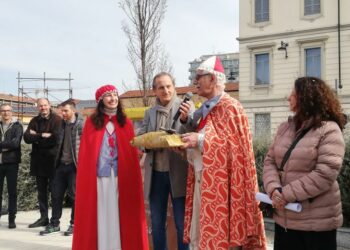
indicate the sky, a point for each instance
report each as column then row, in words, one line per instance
column 85, row 38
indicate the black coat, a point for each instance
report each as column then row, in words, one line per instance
column 10, row 143
column 44, row 150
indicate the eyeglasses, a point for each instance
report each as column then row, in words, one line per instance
column 5, row 110
column 200, row 76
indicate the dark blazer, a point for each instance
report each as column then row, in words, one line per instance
column 10, row 143
column 44, row 150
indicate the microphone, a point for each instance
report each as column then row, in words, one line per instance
column 187, row 97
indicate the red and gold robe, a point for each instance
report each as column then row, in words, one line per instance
column 229, row 213
column 133, row 226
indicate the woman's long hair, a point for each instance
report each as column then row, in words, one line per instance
column 316, row 100
column 97, row 117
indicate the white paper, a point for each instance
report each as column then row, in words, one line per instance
column 296, row 207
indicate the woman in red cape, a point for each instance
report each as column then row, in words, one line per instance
column 109, row 131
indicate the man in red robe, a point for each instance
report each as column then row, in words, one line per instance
column 221, row 210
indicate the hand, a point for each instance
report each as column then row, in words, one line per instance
column 278, row 200
column 45, row 135
column 190, row 140
column 184, row 110
column 32, row 132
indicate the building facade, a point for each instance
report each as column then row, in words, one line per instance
column 230, row 62
column 281, row 40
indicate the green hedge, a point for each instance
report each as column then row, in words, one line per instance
column 260, row 150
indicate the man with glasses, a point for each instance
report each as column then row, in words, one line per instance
column 221, row 210
column 43, row 132
column 11, row 132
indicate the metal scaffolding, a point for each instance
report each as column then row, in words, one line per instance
column 46, row 90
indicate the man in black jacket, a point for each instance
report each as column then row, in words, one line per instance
column 69, row 142
column 11, row 132
column 43, row 133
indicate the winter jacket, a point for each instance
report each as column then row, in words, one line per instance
column 309, row 176
column 44, row 150
column 75, row 139
column 10, row 143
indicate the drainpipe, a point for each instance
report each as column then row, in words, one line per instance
column 339, row 53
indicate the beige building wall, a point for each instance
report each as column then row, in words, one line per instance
column 288, row 24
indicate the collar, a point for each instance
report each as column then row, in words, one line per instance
column 71, row 121
column 209, row 105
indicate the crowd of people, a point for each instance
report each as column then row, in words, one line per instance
column 211, row 179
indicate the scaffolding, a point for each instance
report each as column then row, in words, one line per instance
column 47, row 92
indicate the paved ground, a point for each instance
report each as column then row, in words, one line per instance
column 24, row 238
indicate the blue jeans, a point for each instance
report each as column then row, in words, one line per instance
column 160, row 190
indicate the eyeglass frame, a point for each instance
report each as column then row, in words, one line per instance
column 200, row 76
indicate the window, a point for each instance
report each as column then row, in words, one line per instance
column 262, row 68
column 313, row 62
column 261, row 11
column 312, row 7
column 262, row 126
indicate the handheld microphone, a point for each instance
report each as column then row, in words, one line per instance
column 187, row 97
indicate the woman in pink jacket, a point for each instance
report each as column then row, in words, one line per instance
column 309, row 175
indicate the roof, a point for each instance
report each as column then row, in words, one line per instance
column 230, row 87
column 10, row 97
column 82, row 104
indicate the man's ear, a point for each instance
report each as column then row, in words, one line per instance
column 213, row 78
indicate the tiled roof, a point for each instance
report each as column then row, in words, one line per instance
column 230, row 87
column 10, row 97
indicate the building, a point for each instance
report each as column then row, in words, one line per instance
column 281, row 40
column 23, row 108
column 230, row 62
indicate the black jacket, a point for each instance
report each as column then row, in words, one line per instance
column 44, row 150
column 10, row 143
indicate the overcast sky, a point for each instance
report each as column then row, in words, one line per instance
column 84, row 37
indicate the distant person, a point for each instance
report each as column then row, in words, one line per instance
column 43, row 133
column 165, row 169
column 309, row 175
column 109, row 208
column 221, row 210
column 64, row 180
column 58, row 110
column 11, row 132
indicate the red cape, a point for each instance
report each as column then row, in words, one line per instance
column 133, row 227
column 229, row 213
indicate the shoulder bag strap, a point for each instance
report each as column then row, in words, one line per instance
column 287, row 154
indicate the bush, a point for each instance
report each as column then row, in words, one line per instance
column 26, row 187
column 344, row 182
column 260, row 151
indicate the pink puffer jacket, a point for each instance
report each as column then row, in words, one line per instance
column 309, row 176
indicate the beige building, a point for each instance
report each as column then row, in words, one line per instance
column 281, row 40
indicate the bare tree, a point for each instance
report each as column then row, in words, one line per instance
column 143, row 31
